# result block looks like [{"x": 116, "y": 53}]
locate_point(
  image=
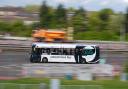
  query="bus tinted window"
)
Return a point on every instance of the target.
[
  {"x": 37, "y": 51},
  {"x": 58, "y": 51},
  {"x": 88, "y": 51},
  {"x": 54, "y": 51}
]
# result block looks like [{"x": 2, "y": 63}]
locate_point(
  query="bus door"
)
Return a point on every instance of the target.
[
  {"x": 78, "y": 54},
  {"x": 35, "y": 54}
]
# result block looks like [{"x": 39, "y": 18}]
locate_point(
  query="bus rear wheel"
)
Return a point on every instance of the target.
[
  {"x": 45, "y": 60},
  {"x": 83, "y": 61}
]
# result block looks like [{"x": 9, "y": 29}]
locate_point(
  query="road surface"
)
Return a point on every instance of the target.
[
  {"x": 22, "y": 57},
  {"x": 11, "y": 62},
  {"x": 13, "y": 58}
]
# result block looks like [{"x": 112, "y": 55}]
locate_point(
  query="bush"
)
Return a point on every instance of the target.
[
  {"x": 16, "y": 28},
  {"x": 95, "y": 35}
]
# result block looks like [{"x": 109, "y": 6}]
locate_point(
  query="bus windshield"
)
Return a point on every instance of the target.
[
  {"x": 88, "y": 52},
  {"x": 36, "y": 51}
]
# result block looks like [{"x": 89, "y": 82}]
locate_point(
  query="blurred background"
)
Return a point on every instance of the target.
[{"x": 99, "y": 22}]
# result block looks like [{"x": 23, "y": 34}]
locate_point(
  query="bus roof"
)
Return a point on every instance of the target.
[{"x": 58, "y": 45}]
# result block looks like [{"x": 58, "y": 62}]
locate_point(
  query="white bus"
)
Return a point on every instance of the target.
[{"x": 66, "y": 53}]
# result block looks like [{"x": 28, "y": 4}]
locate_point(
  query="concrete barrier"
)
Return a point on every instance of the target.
[{"x": 60, "y": 70}]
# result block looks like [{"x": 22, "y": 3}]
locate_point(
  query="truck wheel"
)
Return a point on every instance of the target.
[{"x": 45, "y": 60}]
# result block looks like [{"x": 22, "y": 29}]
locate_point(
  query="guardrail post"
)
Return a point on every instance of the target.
[{"x": 55, "y": 84}]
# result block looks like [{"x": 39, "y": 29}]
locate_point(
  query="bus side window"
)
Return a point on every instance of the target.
[
  {"x": 59, "y": 52},
  {"x": 54, "y": 51},
  {"x": 48, "y": 51},
  {"x": 71, "y": 51},
  {"x": 68, "y": 51},
  {"x": 65, "y": 52},
  {"x": 44, "y": 51}
]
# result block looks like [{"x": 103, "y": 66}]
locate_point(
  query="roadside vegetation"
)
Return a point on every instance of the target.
[
  {"x": 15, "y": 28},
  {"x": 106, "y": 84},
  {"x": 88, "y": 25}
]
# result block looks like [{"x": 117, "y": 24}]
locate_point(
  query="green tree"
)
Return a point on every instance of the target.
[
  {"x": 17, "y": 26},
  {"x": 61, "y": 16},
  {"x": 32, "y": 8},
  {"x": 45, "y": 17},
  {"x": 116, "y": 23},
  {"x": 4, "y": 27},
  {"x": 93, "y": 21},
  {"x": 19, "y": 29},
  {"x": 104, "y": 16},
  {"x": 52, "y": 22},
  {"x": 126, "y": 21},
  {"x": 79, "y": 20}
]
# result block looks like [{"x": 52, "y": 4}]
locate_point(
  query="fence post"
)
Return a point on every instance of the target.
[{"x": 55, "y": 84}]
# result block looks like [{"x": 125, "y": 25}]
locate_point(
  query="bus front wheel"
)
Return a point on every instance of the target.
[{"x": 45, "y": 60}]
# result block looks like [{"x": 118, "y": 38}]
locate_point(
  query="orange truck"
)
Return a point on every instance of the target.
[{"x": 43, "y": 35}]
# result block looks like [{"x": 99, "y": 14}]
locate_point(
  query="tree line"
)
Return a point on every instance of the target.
[
  {"x": 15, "y": 28},
  {"x": 88, "y": 25}
]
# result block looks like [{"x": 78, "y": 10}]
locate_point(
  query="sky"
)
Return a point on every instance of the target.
[{"x": 90, "y": 5}]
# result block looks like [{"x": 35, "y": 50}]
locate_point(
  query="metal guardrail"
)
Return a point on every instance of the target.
[
  {"x": 15, "y": 38},
  {"x": 14, "y": 47},
  {"x": 98, "y": 41},
  {"x": 80, "y": 41},
  {"x": 23, "y": 42}
]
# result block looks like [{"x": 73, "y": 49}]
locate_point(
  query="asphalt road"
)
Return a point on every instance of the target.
[
  {"x": 11, "y": 61},
  {"x": 13, "y": 58},
  {"x": 22, "y": 57}
]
